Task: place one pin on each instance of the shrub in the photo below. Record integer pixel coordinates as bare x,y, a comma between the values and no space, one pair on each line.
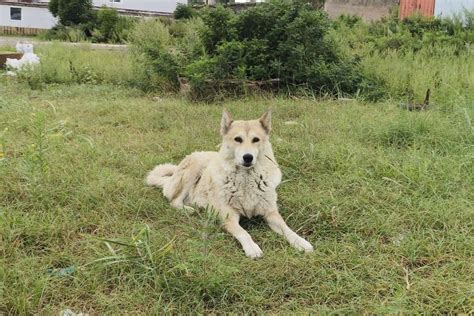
217,27
347,20
188,45
155,62
107,20
78,22
111,27
282,40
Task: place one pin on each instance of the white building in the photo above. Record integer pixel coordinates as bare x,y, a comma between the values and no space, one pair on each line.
26,15
212,2
34,14
164,6
450,8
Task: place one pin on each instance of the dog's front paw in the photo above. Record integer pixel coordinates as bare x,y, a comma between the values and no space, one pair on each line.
253,251
302,244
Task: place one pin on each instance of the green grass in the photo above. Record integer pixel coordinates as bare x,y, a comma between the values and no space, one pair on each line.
385,195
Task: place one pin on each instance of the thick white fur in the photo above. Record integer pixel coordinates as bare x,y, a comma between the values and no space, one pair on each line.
160,175
220,180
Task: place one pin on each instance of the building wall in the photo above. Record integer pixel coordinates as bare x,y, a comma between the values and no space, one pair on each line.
446,8
31,17
410,7
368,10
146,5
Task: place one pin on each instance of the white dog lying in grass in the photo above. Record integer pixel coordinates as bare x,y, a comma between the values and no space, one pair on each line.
239,180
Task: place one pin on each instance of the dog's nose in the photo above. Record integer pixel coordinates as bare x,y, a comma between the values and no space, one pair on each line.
248,158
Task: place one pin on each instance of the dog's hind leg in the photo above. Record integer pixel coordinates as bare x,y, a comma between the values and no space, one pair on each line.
232,226
278,225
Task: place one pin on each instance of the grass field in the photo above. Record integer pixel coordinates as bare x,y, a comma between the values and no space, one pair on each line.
384,195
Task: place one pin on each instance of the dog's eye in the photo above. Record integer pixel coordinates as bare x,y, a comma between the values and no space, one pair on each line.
238,139
255,140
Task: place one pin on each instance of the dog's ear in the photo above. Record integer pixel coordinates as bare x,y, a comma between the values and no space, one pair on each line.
266,121
226,121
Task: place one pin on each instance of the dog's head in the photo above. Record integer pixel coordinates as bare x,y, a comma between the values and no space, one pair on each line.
245,141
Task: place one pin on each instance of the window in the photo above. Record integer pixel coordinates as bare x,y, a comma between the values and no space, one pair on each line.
15,14
115,0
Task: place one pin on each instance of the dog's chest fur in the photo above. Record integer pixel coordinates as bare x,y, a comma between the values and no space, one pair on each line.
248,192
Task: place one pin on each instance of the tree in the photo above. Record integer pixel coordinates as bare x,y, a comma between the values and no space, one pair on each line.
53,7
71,12
183,12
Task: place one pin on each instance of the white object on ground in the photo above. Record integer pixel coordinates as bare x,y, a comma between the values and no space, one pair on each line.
68,312
29,57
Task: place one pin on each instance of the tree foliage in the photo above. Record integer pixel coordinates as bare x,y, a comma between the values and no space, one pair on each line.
71,12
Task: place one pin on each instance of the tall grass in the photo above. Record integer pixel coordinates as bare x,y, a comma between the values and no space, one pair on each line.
448,74
414,55
65,64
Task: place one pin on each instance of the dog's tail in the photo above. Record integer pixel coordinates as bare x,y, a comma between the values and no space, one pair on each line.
161,175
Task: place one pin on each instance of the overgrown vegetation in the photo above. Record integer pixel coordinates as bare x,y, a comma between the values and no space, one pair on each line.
276,46
61,64
409,35
414,54
78,22
166,55
288,47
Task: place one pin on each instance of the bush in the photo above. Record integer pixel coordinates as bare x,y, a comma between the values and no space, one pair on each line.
156,63
188,45
347,20
111,27
78,22
282,40
107,20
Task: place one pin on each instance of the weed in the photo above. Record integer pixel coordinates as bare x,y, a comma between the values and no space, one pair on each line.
36,161
135,251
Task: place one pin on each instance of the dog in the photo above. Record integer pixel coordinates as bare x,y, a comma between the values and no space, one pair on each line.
238,180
